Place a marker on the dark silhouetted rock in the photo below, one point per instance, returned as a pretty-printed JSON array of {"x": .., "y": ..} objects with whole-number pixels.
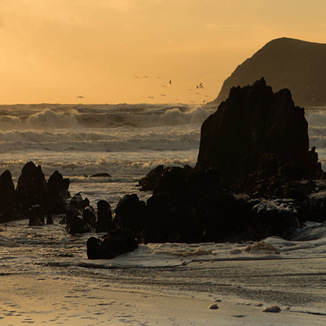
[
  {"x": 57, "y": 193},
  {"x": 75, "y": 223},
  {"x": 58, "y": 185},
  {"x": 78, "y": 202},
  {"x": 200, "y": 183},
  {"x": 112, "y": 245},
  {"x": 49, "y": 219},
  {"x": 104, "y": 217},
  {"x": 150, "y": 181},
  {"x": 130, "y": 214},
  {"x": 32, "y": 191},
  {"x": 36, "y": 216},
  {"x": 284, "y": 63},
  {"x": 7, "y": 197},
  {"x": 172, "y": 180},
  {"x": 101, "y": 175},
  {"x": 89, "y": 217},
  {"x": 252, "y": 123},
  {"x": 192, "y": 206},
  {"x": 7, "y": 189},
  {"x": 31, "y": 187},
  {"x": 171, "y": 219},
  {"x": 273, "y": 217},
  {"x": 223, "y": 216}
]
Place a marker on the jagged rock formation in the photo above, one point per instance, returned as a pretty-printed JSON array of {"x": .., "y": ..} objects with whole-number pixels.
[
  {"x": 285, "y": 63},
  {"x": 255, "y": 126}
]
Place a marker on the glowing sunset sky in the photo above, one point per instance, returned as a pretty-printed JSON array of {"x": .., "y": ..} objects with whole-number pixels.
[{"x": 113, "y": 51}]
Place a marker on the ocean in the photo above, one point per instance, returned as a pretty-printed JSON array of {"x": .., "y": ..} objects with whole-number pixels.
[{"x": 125, "y": 141}]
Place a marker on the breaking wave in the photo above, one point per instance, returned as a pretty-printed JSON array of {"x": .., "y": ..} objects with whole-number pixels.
[{"x": 57, "y": 116}]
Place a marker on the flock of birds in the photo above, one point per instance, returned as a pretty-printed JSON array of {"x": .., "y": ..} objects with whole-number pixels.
[{"x": 197, "y": 90}]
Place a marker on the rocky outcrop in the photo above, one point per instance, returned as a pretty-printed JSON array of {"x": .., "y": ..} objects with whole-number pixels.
[
  {"x": 257, "y": 131},
  {"x": 34, "y": 197},
  {"x": 285, "y": 63},
  {"x": 256, "y": 143}
]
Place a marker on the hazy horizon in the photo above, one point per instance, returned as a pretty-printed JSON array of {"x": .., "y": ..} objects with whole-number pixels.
[{"x": 138, "y": 51}]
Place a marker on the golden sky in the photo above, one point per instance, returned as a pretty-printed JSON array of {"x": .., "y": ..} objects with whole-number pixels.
[{"x": 116, "y": 51}]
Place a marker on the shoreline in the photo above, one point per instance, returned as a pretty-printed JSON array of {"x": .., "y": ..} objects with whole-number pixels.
[
  {"x": 175, "y": 296},
  {"x": 60, "y": 301}
]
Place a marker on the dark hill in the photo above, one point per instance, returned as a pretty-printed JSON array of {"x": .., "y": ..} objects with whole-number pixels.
[{"x": 285, "y": 63}]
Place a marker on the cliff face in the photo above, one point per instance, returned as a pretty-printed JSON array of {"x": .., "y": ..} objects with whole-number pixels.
[
  {"x": 285, "y": 63},
  {"x": 252, "y": 123}
]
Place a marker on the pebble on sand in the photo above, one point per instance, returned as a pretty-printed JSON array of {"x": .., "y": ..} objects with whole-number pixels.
[
  {"x": 213, "y": 306},
  {"x": 272, "y": 309}
]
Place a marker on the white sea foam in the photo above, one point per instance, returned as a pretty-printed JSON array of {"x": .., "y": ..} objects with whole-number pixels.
[{"x": 50, "y": 245}]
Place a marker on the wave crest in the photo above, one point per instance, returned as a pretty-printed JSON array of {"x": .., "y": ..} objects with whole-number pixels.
[{"x": 103, "y": 116}]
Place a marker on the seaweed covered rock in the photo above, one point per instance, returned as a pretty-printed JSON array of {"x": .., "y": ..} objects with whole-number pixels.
[
  {"x": 275, "y": 217},
  {"x": 252, "y": 123}
]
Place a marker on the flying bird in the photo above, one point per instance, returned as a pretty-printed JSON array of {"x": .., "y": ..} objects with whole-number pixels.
[
  {"x": 170, "y": 82},
  {"x": 79, "y": 96}
]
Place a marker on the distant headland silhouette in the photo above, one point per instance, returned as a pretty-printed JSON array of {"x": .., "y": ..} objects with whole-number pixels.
[{"x": 284, "y": 63}]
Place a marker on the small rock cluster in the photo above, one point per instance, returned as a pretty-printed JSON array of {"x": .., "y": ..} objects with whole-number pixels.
[{"x": 34, "y": 197}]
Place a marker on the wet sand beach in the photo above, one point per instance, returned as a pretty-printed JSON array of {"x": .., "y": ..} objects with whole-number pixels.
[{"x": 170, "y": 296}]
